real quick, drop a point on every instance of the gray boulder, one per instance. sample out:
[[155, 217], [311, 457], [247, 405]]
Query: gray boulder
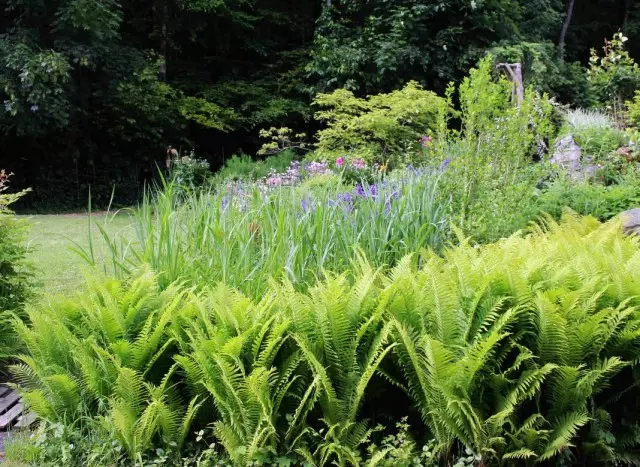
[[631, 221], [568, 156]]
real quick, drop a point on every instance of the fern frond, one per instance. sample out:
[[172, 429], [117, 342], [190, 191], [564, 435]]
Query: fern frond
[[564, 429]]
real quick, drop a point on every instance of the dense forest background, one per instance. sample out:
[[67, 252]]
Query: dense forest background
[[94, 91]]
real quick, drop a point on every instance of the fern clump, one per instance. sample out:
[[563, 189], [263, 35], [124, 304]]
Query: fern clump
[[104, 361], [518, 352]]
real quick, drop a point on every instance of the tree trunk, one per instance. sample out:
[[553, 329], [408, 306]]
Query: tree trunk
[[565, 28], [164, 39], [627, 11]]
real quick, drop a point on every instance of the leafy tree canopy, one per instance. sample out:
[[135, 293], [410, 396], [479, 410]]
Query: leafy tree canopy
[[93, 91]]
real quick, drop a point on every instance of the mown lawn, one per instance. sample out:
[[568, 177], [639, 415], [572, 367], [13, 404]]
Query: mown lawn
[[59, 270]]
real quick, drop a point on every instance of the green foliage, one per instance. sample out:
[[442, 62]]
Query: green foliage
[[35, 85], [543, 71], [87, 107], [595, 140], [19, 447], [280, 140], [260, 102], [93, 90], [380, 45], [525, 349], [489, 178], [381, 127], [600, 141], [615, 76], [452, 355], [244, 167], [633, 110], [15, 272], [603, 202], [141, 105]]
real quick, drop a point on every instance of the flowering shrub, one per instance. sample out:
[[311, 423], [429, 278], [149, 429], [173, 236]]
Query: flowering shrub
[[189, 171], [349, 171], [355, 170], [315, 168], [426, 141], [292, 176], [614, 76], [296, 173]]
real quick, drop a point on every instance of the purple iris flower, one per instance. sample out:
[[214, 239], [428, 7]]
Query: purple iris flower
[[304, 203], [387, 206], [445, 164], [370, 191], [346, 198]]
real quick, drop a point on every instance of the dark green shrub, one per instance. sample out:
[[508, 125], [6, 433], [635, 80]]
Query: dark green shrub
[[15, 271]]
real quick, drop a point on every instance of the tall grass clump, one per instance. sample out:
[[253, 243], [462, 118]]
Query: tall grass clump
[[520, 352], [247, 234], [583, 119]]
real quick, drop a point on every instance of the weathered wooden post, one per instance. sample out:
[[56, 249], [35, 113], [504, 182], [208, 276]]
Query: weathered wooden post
[[515, 76]]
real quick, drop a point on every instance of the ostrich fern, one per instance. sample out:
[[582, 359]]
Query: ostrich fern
[[107, 354], [522, 351], [232, 354]]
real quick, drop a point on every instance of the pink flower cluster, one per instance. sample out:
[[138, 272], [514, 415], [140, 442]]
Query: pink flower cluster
[[318, 168], [359, 164], [426, 141], [274, 180], [356, 163], [290, 177]]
